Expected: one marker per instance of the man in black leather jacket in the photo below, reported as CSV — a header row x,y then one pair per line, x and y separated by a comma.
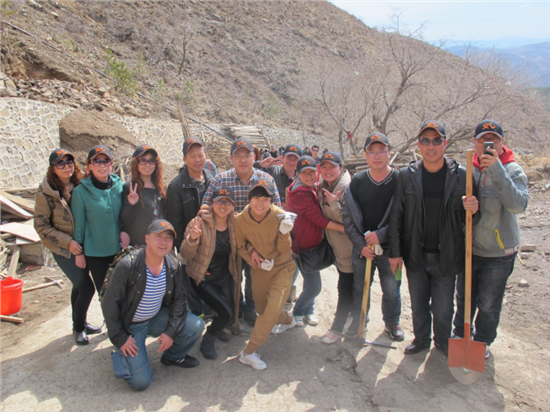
x,y
145,296
426,231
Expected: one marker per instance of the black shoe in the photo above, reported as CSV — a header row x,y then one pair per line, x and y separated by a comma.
x,y
208,349
416,347
250,318
442,347
395,332
81,338
223,336
92,330
187,362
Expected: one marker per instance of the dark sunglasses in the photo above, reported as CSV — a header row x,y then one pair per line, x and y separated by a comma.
x,y
142,161
223,202
61,165
105,162
438,141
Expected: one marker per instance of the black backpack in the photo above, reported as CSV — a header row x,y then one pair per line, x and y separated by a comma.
x,y
129,251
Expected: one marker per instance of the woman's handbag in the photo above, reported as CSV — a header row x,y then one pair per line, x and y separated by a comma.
x,y
316,258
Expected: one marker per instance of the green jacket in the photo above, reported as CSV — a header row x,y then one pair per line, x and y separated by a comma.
x,y
96,217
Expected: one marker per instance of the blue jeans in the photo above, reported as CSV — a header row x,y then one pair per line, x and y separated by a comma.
x,y
391,294
312,287
82,292
432,294
489,277
136,371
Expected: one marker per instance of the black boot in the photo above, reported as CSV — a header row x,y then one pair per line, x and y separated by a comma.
x,y
207,346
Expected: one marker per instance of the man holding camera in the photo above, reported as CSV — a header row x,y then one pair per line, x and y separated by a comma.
x,y
502,192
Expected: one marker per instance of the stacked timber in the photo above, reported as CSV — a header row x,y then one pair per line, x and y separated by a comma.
x,y
251,133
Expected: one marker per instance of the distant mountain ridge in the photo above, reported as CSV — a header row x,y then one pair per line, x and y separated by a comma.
x,y
501,43
533,59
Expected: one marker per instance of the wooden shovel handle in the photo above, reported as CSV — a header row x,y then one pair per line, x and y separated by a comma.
x,y
365,301
468,267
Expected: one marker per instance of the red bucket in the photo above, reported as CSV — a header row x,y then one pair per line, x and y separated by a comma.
x,y
11,295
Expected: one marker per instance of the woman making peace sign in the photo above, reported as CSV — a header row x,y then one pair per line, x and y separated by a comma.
x,y
143,197
210,249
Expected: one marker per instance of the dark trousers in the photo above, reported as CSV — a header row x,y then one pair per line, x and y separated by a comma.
x,y
345,301
489,277
82,292
219,295
98,266
246,301
432,294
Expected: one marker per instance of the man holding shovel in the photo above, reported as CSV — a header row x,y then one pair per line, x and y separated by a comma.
x,y
426,231
367,204
502,191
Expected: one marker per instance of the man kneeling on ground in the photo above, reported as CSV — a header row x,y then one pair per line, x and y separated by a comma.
x,y
145,296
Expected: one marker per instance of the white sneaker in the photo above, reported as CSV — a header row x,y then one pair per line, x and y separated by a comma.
x,y
281,327
330,338
487,352
299,321
252,360
312,320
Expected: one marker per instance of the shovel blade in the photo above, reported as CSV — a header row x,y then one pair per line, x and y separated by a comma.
x,y
465,376
466,356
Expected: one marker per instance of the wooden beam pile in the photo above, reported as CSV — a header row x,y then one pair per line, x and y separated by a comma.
x,y
252,133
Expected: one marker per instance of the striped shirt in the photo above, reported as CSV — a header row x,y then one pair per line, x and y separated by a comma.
x,y
151,301
230,179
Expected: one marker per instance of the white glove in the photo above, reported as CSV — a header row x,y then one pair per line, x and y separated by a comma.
x,y
378,250
292,216
286,225
268,264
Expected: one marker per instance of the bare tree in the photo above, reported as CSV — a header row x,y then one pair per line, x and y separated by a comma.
x,y
187,36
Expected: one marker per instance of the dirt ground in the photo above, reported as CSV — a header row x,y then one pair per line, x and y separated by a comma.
x,y
42,369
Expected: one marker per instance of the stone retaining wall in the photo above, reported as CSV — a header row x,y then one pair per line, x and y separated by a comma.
x,y
29,131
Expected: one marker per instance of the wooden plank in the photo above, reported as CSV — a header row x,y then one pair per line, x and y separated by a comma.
x,y
26,231
19,201
13,263
10,207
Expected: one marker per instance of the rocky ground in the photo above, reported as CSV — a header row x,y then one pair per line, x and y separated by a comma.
x,y
43,371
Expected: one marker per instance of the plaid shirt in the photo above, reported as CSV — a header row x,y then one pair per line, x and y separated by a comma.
x,y
230,179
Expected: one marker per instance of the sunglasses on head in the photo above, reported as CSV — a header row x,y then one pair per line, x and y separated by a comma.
x,y
61,165
105,162
437,141
142,161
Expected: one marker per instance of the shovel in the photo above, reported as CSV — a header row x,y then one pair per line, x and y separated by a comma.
x,y
364,307
467,357
235,328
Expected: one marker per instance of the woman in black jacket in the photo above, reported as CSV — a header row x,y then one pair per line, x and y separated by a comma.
x,y
143,197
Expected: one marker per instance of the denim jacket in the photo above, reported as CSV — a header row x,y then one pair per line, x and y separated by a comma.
x,y
502,194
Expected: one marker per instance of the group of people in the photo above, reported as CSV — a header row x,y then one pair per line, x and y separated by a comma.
x,y
191,242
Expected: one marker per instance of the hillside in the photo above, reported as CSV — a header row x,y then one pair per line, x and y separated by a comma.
x,y
255,63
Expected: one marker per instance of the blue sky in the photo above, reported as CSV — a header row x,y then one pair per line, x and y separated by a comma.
x,y
465,20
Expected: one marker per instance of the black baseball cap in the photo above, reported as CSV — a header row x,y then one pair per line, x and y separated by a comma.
x,y
237,144
266,184
376,137
144,148
488,126
435,125
306,162
190,142
98,150
161,225
332,157
223,191
57,154
292,149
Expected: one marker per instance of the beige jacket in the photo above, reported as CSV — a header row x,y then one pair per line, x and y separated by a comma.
x,y
53,220
339,241
198,254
